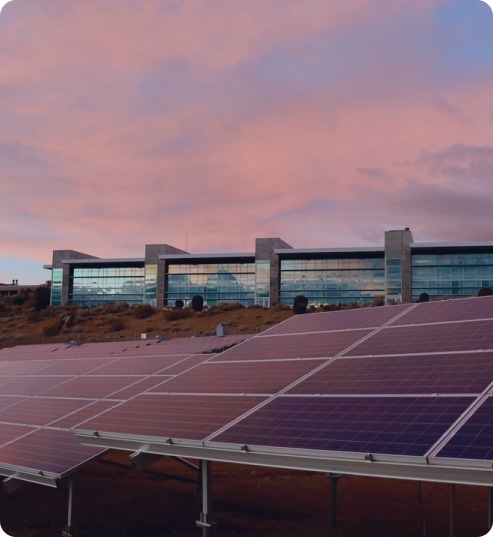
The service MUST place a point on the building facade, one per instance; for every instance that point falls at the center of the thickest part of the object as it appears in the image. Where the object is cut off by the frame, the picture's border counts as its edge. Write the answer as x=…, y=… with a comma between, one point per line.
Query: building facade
x=400, y=271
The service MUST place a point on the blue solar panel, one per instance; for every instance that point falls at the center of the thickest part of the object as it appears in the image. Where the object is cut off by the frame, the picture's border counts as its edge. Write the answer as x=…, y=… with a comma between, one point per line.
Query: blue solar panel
x=380, y=425
x=410, y=374
x=474, y=440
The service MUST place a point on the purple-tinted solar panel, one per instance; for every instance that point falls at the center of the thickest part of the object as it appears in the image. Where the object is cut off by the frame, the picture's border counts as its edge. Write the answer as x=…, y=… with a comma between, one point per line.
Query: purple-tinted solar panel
x=30, y=385
x=90, y=387
x=74, y=367
x=192, y=417
x=185, y=364
x=139, y=387
x=144, y=365
x=337, y=320
x=84, y=414
x=447, y=337
x=380, y=425
x=318, y=345
x=238, y=377
x=49, y=450
x=9, y=400
x=11, y=432
x=202, y=344
x=474, y=440
x=466, y=309
x=410, y=374
x=24, y=367
x=40, y=411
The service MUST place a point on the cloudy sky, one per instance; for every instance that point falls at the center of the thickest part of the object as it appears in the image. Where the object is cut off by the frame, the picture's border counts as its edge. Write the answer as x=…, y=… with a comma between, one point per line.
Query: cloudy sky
x=212, y=122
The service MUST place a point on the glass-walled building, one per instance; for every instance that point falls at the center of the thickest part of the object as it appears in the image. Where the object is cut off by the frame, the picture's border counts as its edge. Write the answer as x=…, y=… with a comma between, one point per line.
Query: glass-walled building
x=216, y=280
x=400, y=270
x=454, y=270
x=332, y=276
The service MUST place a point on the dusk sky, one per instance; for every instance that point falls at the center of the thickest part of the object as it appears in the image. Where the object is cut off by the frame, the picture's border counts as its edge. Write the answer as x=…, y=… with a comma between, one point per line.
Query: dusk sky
x=323, y=122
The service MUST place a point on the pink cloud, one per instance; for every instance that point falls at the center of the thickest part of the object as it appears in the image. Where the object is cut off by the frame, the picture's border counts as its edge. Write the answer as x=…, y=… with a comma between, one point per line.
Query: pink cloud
x=325, y=126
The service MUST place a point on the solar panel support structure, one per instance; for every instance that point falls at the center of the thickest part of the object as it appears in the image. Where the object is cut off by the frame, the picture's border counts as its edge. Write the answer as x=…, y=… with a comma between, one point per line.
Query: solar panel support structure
x=490, y=500
x=334, y=478
x=68, y=532
x=140, y=460
x=12, y=484
x=206, y=521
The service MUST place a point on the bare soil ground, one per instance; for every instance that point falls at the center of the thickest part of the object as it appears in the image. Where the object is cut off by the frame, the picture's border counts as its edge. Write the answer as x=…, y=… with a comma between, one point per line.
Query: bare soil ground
x=247, y=501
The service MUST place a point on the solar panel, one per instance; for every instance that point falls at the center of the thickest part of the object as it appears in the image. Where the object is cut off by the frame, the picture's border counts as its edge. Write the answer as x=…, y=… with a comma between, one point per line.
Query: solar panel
x=474, y=440
x=441, y=311
x=39, y=410
x=409, y=374
x=145, y=365
x=323, y=344
x=382, y=425
x=30, y=385
x=90, y=387
x=238, y=377
x=49, y=451
x=192, y=417
x=446, y=337
x=337, y=320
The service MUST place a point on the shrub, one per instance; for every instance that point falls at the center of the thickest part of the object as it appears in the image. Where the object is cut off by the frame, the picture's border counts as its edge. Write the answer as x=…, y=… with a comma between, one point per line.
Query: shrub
x=33, y=317
x=485, y=291
x=299, y=305
x=17, y=300
x=379, y=300
x=42, y=297
x=52, y=330
x=142, y=311
x=174, y=315
x=116, y=325
x=179, y=304
x=198, y=303
x=2, y=308
x=425, y=297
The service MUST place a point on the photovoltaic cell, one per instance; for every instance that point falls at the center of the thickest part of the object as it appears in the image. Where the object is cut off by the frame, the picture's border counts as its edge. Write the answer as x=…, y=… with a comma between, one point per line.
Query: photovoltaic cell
x=379, y=425
x=465, y=309
x=410, y=374
x=447, y=337
x=48, y=450
x=474, y=440
x=324, y=344
x=191, y=417
x=337, y=320
x=238, y=377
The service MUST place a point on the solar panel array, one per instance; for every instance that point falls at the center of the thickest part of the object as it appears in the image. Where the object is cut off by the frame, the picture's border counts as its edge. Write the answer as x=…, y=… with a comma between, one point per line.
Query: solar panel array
x=388, y=384
x=400, y=381
x=47, y=389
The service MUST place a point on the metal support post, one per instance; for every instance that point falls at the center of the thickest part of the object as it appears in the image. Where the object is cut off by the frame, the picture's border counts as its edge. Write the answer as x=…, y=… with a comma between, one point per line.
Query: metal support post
x=490, y=500
x=334, y=478
x=69, y=529
x=452, y=510
x=206, y=521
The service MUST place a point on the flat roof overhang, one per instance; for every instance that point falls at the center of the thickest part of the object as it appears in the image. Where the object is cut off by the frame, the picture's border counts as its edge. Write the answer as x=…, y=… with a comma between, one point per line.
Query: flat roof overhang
x=201, y=257
x=98, y=261
x=329, y=253
x=430, y=469
x=452, y=245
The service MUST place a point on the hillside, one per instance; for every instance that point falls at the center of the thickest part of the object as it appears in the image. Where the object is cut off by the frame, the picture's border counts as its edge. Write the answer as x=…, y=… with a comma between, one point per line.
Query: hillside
x=22, y=325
